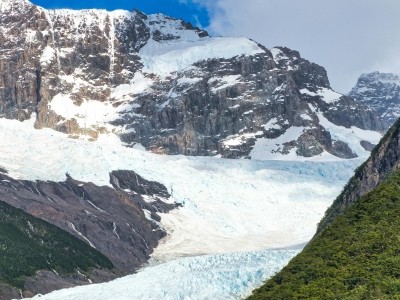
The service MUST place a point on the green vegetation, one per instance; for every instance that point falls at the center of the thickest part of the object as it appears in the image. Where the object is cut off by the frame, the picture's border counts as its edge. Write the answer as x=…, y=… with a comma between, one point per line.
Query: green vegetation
x=28, y=244
x=338, y=205
x=356, y=257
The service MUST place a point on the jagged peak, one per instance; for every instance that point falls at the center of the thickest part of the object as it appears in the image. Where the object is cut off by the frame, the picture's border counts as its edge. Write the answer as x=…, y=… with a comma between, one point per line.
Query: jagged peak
x=379, y=76
x=8, y=5
x=164, y=27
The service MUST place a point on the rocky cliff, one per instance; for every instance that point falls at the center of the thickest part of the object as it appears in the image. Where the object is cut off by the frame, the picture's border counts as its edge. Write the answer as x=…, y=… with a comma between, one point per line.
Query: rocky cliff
x=381, y=92
x=163, y=83
x=120, y=222
x=384, y=160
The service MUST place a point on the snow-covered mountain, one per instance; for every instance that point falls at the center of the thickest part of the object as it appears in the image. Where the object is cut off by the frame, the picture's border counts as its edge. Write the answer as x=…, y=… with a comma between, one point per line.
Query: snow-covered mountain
x=92, y=87
x=160, y=82
x=381, y=92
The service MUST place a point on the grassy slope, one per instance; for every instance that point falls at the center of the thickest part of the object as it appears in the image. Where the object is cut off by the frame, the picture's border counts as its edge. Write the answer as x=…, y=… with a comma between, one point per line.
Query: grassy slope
x=28, y=244
x=356, y=257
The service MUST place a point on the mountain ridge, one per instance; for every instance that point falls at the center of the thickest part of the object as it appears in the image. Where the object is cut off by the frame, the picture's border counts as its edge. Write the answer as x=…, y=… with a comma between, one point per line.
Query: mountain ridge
x=380, y=91
x=161, y=82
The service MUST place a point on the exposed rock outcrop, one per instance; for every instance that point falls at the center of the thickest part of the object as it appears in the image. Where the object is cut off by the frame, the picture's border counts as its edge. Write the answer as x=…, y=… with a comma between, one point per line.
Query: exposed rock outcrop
x=380, y=91
x=119, y=224
x=165, y=84
x=384, y=159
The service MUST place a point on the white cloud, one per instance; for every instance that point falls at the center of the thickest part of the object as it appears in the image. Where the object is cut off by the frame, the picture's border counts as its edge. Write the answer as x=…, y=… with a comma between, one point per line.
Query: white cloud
x=346, y=37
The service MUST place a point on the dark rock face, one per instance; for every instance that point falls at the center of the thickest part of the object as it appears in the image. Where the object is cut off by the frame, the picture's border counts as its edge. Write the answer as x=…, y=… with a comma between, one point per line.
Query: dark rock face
x=367, y=145
x=205, y=116
x=74, y=68
x=134, y=184
x=384, y=159
x=380, y=91
x=112, y=221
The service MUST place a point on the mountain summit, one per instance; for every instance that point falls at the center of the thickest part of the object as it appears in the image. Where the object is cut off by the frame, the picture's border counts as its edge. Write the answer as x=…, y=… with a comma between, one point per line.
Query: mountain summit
x=380, y=91
x=161, y=82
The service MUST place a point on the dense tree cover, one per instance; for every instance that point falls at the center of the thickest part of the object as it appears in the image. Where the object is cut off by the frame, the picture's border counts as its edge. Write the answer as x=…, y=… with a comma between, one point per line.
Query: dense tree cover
x=28, y=244
x=356, y=257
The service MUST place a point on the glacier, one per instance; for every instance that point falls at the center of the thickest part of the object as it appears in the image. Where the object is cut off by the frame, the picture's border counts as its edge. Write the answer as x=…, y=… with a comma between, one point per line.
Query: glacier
x=217, y=277
x=234, y=213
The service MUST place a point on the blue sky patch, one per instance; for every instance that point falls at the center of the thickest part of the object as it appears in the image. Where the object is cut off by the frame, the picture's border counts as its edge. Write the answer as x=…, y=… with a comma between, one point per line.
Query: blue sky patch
x=186, y=10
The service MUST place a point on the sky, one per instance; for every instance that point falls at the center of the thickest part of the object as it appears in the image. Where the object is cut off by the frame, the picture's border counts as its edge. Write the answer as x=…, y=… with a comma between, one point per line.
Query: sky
x=347, y=37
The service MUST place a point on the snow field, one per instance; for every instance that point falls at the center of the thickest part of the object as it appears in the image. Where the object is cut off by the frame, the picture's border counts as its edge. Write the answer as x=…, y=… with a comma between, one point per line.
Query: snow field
x=164, y=58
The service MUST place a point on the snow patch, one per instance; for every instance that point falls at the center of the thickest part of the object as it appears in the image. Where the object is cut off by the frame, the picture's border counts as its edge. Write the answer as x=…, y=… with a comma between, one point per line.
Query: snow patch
x=188, y=81
x=327, y=95
x=353, y=135
x=271, y=124
x=72, y=226
x=48, y=56
x=306, y=117
x=164, y=58
x=223, y=82
x=239, y=139
x=278, y=55
x=138, y=84
x=265, y=148
x=170, y=27
x=90, y=113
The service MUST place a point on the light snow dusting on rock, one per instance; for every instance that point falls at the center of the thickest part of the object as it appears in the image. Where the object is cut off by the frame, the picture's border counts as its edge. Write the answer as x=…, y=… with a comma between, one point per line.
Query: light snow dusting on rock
x=381, y=92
